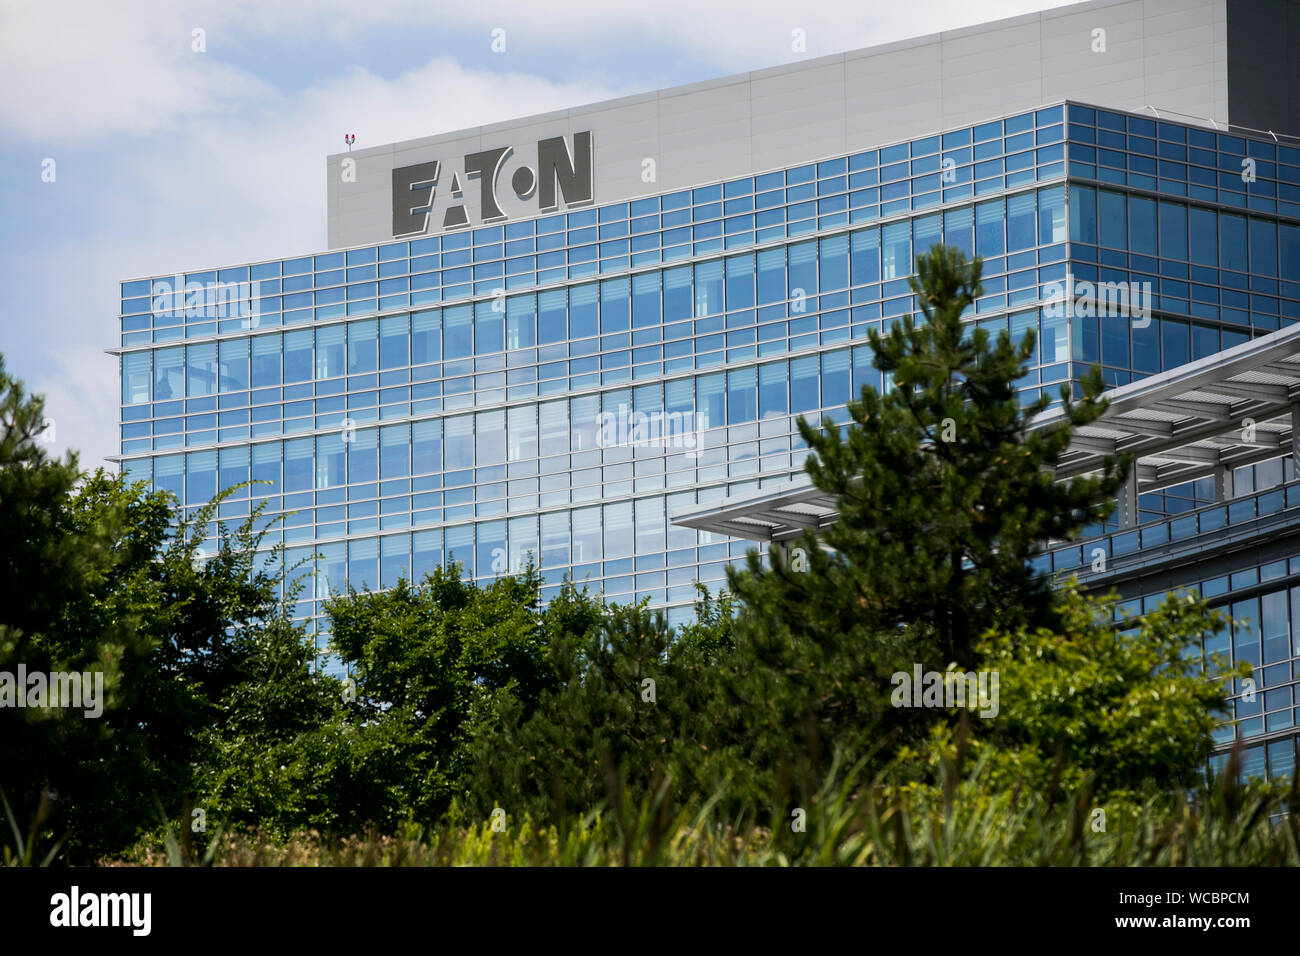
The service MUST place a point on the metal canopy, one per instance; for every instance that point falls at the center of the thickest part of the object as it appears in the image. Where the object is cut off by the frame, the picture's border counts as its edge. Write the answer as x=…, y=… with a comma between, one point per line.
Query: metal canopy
x=1203, y=419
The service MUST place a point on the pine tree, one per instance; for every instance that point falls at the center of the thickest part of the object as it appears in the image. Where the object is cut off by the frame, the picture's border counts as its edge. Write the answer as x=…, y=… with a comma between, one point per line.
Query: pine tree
x=944, y=495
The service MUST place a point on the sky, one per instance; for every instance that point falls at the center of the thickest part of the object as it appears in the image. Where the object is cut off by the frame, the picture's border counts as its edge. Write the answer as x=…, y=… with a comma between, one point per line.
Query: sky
x=192, y=134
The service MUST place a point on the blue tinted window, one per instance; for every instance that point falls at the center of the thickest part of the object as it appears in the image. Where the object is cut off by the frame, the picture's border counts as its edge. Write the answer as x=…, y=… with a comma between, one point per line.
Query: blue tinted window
x=584, y=309
x=1232, y=242
x=645, y=300
x=804, y=377
x=958, y=225
x=865, y=256
x=1142, y=232
x=1112, y=224
x=457, y=332
x=552, y=324
x=489, y=326
x=1083, y=214
x=1021, y=215
x=742, y=401
x=896, y=250
x=1263, y=247
x=989, y=237
x=1173, y=230
x=772, y=381
x=1289, y=244
x=771, y=276
x=1203, y=233
x=740, y=282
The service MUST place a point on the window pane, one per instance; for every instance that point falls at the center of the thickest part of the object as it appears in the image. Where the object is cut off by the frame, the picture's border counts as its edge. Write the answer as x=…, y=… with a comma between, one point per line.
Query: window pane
x=586, y=535
x=1232, y=242
x=555, y=540
x=740, y=282
x=1203, y=231
x=298, y=356
x=460, y=442
x=1020, y=221
x=803, y=270
x=521, y=322
x=363, y=456
x=1051, y=215
x=395, y=451
x=489, y=326
x=958, y=229
x=896, y=250
x=804, y=394
x=1083, y=214
x=618, y=529
x=233, y=359
x=1142, y=225
x=168, y=374
x=363, y=347
x=457, y=332
x=865, y=256
x=522, y=433
x=298, y=465
x=552, y=316
x=989, y=239
x=426, y=337
x=1173, y=230
x=584, y=308
x=490, y=438
x=1263, y=247
x=649, y=525
x=708, y=288
x=524, y=544
x=645, y=299
x=426, y=447
x=709, y=399
x=201, y=373
x=772, y=380
x=771, y=276
x=393, y=338
x=330, y=351
x=742, y=403
x=834, y=263
x=836, y=386
x=331, y=465
x=1112, y=222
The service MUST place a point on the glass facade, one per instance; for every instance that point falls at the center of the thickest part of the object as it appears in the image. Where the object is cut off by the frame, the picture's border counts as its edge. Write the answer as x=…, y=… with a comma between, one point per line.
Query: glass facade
x=451, y=397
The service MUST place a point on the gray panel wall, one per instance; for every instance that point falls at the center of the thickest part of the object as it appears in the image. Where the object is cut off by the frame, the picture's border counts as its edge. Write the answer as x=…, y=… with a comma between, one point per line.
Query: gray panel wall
x=1263, y=67
x=1170, y=54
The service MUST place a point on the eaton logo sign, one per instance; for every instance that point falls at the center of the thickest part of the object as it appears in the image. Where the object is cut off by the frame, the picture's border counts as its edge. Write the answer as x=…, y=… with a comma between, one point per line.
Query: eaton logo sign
x=441, y=193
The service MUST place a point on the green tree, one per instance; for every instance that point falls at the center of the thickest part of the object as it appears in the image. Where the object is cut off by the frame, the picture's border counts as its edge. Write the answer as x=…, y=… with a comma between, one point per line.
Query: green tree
x=944, y=494
x=623, y=701
x=99, y=575
x=1126, y=711
x=427, y=659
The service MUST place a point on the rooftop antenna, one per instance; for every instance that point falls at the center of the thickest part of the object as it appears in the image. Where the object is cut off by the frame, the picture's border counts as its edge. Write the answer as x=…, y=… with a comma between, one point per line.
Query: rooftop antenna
x=349, y=138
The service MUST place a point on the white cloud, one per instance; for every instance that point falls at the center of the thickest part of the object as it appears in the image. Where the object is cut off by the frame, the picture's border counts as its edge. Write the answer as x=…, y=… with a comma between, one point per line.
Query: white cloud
x=86, y=71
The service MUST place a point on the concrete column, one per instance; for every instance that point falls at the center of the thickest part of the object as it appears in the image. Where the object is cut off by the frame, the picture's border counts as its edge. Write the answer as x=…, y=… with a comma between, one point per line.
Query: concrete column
x=1295, y=438
x=1223, y=490
x=1127, y=499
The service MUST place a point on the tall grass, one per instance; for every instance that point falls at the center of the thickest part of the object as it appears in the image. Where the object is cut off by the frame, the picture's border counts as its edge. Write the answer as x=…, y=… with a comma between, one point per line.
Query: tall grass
x=961, y=822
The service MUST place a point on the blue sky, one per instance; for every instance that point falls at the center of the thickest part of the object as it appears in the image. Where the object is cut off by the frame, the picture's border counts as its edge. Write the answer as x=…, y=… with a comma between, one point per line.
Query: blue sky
x=167, y=159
